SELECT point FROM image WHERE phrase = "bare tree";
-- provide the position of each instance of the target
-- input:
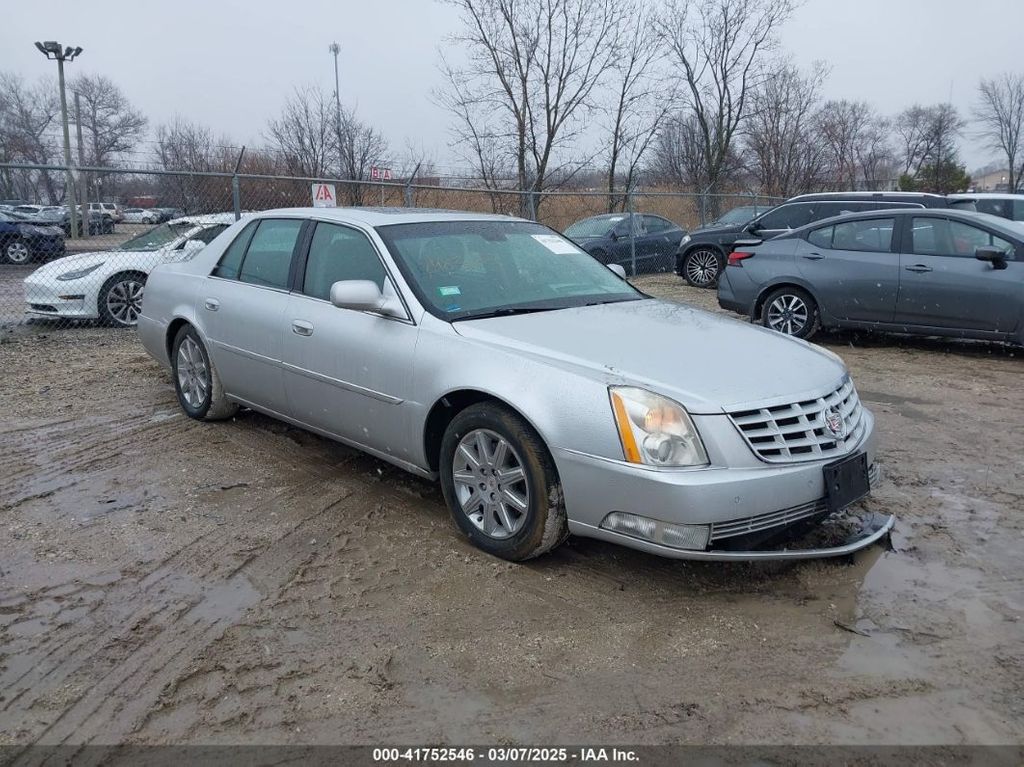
(304, 134)
(533, 66)
(28, 117)
(362, 147)
(929, 147)
(641, 100)
(1000, 116)
(783, 147)
(857, 142)
(719, 47)
(191, 149)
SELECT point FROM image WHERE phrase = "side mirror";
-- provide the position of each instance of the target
(365, 296)
(617, 268)
(994, 256)
(615, 235)
(193, 245)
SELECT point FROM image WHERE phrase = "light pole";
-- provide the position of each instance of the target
(336, 49)
(53, 50)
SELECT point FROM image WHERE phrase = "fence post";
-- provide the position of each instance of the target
(410, 202)
(236, 196)
(632, 233)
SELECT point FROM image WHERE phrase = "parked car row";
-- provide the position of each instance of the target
(702, 252)
(23, 239)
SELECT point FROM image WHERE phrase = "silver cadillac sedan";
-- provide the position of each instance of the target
(545, 393)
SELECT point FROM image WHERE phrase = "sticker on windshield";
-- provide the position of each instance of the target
(449, 290)
(556, 244)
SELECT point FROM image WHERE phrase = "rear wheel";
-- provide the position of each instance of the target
(196, 382)
(120, 300)
(791, 311)
(16, 251)
(500, 483)
(701, 267)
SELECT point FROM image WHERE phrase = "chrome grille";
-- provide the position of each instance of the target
(797, 431)
(734, 527)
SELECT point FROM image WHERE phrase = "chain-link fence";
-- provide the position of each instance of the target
(133, 220)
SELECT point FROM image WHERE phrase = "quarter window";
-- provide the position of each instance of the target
(269, 257)
(942, 237)
(338, 253)
(821, 238)
(228, 265)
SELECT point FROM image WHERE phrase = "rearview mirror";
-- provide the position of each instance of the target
(994, 256)
(365, 296)
(617, 268)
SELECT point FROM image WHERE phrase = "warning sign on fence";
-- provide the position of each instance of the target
(324, 196)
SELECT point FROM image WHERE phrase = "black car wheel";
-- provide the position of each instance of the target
(701, 267)
(120, 301)
(791, 311)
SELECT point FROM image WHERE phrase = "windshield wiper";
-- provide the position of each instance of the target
(506, 311)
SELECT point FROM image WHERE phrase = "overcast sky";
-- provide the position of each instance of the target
(230, 65)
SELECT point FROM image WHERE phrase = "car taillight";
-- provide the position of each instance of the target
(737, 257)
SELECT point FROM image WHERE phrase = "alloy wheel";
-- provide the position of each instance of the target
(193, 373)
(18, 252)
(124, 300)
(788, 314)
(490, 483)
(702, 267)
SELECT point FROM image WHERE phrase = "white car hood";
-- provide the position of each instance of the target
(707, 362)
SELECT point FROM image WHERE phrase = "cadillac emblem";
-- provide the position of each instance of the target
(834, 422)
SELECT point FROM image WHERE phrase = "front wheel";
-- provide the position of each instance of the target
(791, 311)
(701, 267)
(196, 382)
(17, 252)
(500, 483)
(120, 299)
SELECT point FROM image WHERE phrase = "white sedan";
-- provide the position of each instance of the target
(140, 216)
(108, 285)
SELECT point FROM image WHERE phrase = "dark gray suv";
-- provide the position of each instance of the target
(929, 272)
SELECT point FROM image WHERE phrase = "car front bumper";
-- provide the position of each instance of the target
(48, 297)
(735, 500)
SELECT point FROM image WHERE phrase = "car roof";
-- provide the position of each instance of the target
(386, 216)
(986, 196)
(864, 196)
(996, 222)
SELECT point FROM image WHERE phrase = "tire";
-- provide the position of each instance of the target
(702, 266)
(120, 299)
(17, 251)
(518, 518)
(196, 382)
(791, 311)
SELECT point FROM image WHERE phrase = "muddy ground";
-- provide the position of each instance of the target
(167, 581)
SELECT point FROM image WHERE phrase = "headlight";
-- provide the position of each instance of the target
(686, 239)
(655, 430)
(79, 273)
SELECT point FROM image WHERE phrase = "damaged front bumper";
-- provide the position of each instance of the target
(874, 529)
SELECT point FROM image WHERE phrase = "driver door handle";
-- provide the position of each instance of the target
(302, 328)
(919, 268)
(813, 256)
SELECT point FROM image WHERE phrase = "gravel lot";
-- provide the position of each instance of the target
(166, 581)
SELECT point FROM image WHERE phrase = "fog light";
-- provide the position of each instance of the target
(663, 533)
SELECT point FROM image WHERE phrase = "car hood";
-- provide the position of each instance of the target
(717, 229)
(128, 258)
(707, 362)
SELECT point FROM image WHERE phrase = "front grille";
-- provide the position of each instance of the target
(797, 431)
(734, 527)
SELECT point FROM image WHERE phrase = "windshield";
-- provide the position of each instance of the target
(593, 227)
(158, 237)
(466, 269)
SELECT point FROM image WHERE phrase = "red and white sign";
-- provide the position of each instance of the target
(324, 196)
(380, 174)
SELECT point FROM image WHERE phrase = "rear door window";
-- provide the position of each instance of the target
(821, 238)
(789, 216)
(269, 256)
(871, 235)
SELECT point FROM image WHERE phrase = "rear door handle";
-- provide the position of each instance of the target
(302, 328)
(919, 268)
(212, 304)
(813, 256)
